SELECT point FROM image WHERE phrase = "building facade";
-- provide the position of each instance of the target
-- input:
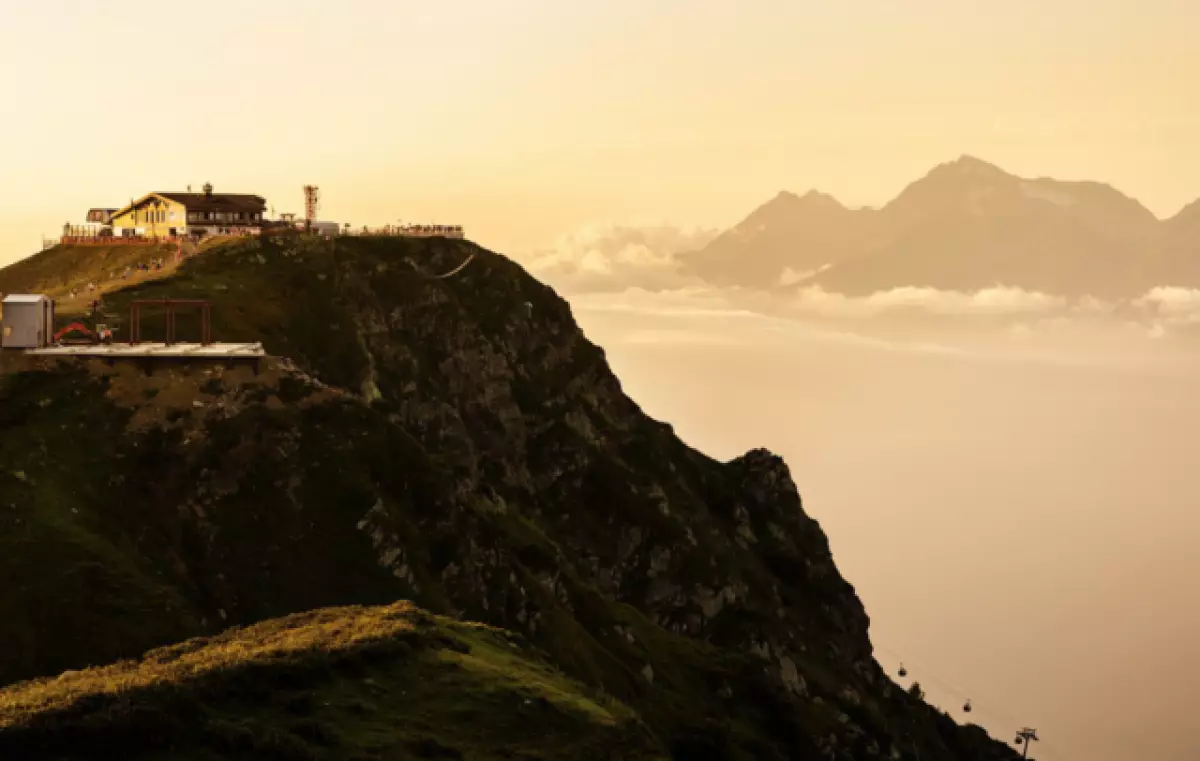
(171, 214)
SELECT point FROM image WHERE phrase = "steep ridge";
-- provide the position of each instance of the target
(458, 442)
(967, 225)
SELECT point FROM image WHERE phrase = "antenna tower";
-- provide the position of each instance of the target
(312, 202)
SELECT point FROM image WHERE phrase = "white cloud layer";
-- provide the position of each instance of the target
(616, 257)
(639, 268)
(729, 318)
(1175, 304)
(988, 301)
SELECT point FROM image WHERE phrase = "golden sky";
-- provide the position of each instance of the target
(527, 119)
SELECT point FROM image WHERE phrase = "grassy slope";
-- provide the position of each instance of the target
(56, 270)
(367, 683)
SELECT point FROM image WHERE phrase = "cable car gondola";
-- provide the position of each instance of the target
(903, 671)
(967, 706)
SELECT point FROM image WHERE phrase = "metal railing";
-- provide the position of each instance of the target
(409, 231)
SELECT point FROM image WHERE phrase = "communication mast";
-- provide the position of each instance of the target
(312, 202)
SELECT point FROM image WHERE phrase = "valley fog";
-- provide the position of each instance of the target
(1021, 527)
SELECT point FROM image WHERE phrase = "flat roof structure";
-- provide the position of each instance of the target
(25, 298)
(216, 351)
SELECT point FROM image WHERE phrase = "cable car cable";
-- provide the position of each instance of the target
(987, 711)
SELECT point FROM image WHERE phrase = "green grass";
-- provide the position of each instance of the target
(56, 270)
(389, 683)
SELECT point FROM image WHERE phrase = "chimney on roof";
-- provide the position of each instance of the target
(208, 190)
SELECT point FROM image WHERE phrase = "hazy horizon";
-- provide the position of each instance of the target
(533, 120)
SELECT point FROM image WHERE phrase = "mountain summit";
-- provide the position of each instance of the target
(966, 225)
(456, 442)
(788, 237)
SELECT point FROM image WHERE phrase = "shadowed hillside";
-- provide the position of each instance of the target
(454, 441)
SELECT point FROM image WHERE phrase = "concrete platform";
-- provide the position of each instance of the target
(215, 351)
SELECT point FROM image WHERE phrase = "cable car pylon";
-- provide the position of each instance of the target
(1025, 736)
(968, 705)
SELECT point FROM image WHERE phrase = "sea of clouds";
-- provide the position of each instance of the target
(643, 268)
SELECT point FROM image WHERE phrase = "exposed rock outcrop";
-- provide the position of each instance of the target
(438, 440)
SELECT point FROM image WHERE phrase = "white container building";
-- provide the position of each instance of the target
(325, 228)
(28, 321)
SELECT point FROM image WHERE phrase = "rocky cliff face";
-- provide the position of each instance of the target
(455, 441)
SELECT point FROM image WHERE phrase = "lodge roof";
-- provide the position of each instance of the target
(217, 202)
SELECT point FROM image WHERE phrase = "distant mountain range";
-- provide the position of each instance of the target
(965, 225)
